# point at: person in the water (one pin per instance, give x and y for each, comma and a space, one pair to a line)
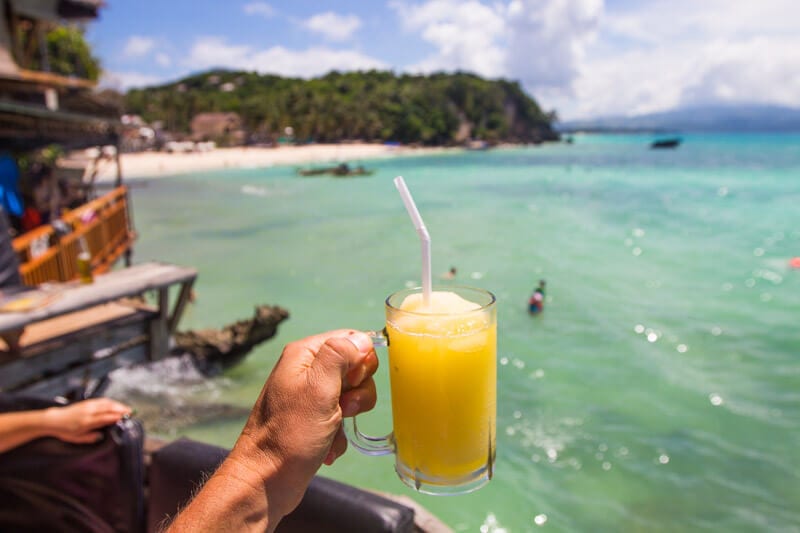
536, 301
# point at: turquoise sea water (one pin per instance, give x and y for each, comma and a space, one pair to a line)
658, 391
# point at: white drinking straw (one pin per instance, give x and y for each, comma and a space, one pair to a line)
425, 239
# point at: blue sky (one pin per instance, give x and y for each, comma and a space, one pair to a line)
584, 58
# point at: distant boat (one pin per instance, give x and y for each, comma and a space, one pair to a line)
671, 142
341, 170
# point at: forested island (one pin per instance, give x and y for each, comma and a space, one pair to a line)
373, 106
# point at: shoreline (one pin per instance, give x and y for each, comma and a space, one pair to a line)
145, 165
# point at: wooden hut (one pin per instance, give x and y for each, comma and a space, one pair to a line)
224, 128
38, 108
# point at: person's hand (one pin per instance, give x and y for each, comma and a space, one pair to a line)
79, 422
296, 423
294, 427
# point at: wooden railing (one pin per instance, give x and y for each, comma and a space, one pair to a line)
105, 225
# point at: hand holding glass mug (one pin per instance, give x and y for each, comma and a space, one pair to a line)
443, 373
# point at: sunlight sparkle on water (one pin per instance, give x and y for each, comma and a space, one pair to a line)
492, 525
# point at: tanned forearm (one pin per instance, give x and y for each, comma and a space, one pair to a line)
235, 498
21, 427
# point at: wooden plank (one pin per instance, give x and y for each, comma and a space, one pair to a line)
79, 377
55, 327
106, 288
159, 336
59, 354
180, 305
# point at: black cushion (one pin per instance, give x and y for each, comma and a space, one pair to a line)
178, 469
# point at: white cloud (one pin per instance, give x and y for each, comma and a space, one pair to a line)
333, 26
262, 9
138, 46
208, 52
752, 71
539, 42
465, 34
163, 59
714, 52
122, 81
547, 40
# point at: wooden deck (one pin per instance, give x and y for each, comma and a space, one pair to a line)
64, 325
85, 331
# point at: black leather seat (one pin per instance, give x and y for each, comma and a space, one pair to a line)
179, 468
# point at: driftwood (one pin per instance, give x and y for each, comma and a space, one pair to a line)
217, 349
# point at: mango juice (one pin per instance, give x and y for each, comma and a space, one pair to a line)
442, 367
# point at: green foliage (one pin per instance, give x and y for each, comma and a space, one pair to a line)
369, 106
69, 54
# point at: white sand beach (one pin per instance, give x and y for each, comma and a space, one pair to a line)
159, 164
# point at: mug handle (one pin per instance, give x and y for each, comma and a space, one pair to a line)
367, 444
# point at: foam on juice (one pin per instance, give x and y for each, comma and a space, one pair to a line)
448, 314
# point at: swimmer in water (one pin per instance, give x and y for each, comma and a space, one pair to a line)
536, 301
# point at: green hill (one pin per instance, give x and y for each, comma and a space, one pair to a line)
439, 109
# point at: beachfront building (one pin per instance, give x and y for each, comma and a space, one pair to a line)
222, 128
48, 98
38, 104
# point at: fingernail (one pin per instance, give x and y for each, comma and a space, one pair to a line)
361, 341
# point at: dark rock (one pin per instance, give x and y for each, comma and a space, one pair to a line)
217, 349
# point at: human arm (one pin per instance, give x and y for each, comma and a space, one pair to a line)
294, 428
77, 423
